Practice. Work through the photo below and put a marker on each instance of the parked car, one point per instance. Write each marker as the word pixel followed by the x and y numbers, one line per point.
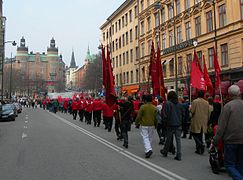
pixel 9 112
pixel 18 107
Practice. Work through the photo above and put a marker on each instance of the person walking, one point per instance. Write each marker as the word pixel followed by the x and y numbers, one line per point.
pixel 108 113
pixel 172 117
pixel 146 118
pixel 126 110
pixel 160 126
pixel 74 108
pixel 97 107
pixel 200 111
pixel 230 130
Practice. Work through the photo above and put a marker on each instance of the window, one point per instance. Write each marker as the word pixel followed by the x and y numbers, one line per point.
pixel 113 46
pixel 121 79
pixel 163 41
pixel 123 23
pixel 113 30
pixel 188 62
pixel 137 75
pixel 103 36
pixel 131 35
pixel 178 7
pixel 179 34
pixel 170 38
pixel 127 77
pixel 222 16
pixel 120 60
pixel 199 54
pixel 131 55
pixel 116 61
pixel 124 78
pixel 142 5
pixel 149 46
pixel 170 12
pixel 156 17
pixel 188 30
pixel 241 8
pixel 187 4
pixel 131 79
pixel 116 26
pixel 163 15
pixel 123 58
pixel 130 15
pixel 149 23
pixel 127 57
pixel 142 27
pixel 126 38
pixel 180 65
pixel 119 24
pixel 123 40
pixel 210 58
pixel 137 53
pixel 119 42
pixel 142 50
pixel 126 19
pixel 116 44
pixel 143 73
pixel 148 3
pixel 224 54
pixel 136 11
pixel 136 32
pixel 171 67
pixel 164 70
pixel 197 1
pixel 117 80
pixel 209 19
pixel 198 25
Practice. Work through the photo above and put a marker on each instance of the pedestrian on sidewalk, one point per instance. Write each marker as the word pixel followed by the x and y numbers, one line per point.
pixel 230 130
pixel 200 111
pixel 146 118
pixel 172 117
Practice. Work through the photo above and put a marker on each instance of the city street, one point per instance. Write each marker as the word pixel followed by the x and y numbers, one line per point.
pixel 40 145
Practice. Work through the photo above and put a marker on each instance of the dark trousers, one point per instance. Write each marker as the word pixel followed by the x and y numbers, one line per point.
pixel 75 114
pixel 97 118
pixel 81 115
pixel 161 129
pixel 233 160
pixel 88 117
pixel 198 138
pixel 118 128
pixel 125 127
pixel 170 131
pixel 108 123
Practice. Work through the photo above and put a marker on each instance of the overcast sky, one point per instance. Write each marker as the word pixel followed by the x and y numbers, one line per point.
pixel 73 23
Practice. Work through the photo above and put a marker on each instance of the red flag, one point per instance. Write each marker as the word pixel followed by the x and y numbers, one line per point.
pixel 110 92
pixel 216 70
pixel 104 67
pixel 153 72
pixel 207 79
pixel 197 77
pixel 160 75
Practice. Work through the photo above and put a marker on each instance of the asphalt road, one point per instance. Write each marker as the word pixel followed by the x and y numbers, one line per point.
pixel 44 146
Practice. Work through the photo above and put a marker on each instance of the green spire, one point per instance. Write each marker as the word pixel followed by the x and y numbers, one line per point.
pixel 88 56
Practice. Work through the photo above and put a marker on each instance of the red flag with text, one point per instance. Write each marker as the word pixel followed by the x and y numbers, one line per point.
pixel 216 70
pixel 197 76
pixel 207 79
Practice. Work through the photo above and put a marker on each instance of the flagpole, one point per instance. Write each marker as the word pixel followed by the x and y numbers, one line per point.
pixel 190 94
pixel 221 97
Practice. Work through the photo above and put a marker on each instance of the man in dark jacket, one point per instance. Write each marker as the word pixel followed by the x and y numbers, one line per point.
pixel 173 115
pixel 126 110
pixel 230 130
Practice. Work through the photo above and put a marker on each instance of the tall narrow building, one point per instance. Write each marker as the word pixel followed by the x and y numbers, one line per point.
pixel 70 79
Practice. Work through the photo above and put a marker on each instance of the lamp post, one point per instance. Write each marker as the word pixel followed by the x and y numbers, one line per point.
pixel 158 5
pixel 3 22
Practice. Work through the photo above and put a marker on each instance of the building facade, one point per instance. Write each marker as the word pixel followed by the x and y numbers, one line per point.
pixel 70 78
pixel 38 72
pixel 179 27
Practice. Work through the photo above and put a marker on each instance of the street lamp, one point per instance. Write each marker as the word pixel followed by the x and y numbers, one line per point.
pixel 195 43
pixel 11 69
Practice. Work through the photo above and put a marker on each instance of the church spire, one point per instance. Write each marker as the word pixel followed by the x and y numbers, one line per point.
pixel 88 56
pixel 73 63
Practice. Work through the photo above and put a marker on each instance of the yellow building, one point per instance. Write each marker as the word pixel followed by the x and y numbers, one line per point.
pixel 194 28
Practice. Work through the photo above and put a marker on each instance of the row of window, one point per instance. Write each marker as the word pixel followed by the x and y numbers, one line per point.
pixel 126 78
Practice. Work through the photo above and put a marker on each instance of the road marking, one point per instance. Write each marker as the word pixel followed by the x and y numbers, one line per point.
pixel 24 135
pixel 157 169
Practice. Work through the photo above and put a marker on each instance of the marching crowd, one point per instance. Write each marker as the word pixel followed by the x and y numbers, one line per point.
pixel 207 119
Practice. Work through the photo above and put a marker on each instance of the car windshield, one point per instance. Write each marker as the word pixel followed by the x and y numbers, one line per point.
pixel 7 107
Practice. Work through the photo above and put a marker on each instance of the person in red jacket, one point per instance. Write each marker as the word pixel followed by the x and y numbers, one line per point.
pixel 81 109
pixel 97 107
pixel 65 106
pixel 75 108
pixel 108 112
pixel 88 110
pixel 135 108
pixel 44 104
